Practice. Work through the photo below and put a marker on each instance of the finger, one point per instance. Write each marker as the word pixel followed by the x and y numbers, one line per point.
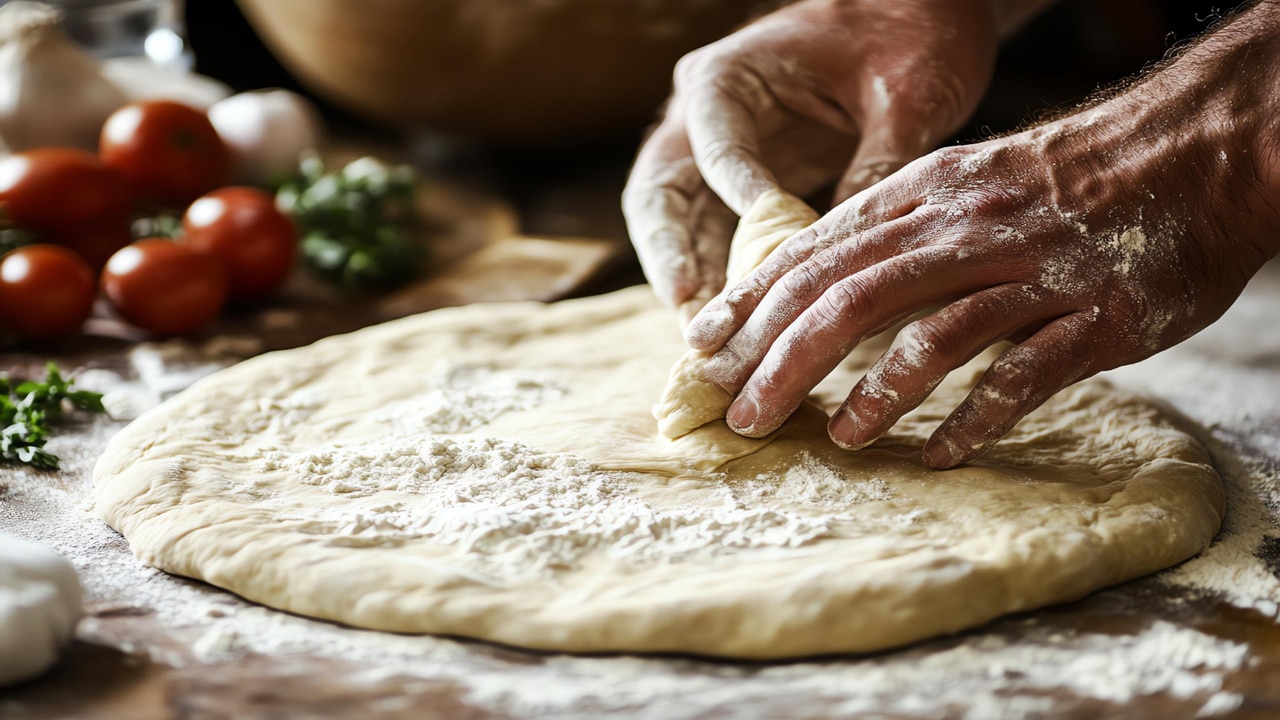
pixel 927 350
pixel 849 311
pixel 804 285
pixel 1018 382
pixel 888 143
pixel 901 191
pixel 726 315
pixel 725 138
pixel 890 201
pixel 712 227
pixel 657 204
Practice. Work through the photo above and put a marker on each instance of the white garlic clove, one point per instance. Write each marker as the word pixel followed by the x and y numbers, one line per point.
pixel 51 91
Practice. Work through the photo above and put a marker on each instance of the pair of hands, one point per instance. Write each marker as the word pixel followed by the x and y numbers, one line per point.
pixel 1092 241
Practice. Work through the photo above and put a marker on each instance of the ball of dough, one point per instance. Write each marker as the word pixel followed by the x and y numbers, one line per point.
pixel 40 604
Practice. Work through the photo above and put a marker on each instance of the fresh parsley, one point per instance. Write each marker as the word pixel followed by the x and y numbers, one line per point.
pixel 13 238
pixel 29 409
pixel 359 226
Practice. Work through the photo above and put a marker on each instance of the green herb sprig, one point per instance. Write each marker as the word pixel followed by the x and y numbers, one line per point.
pixel 28 411
pixel 358 224
pixel 13 238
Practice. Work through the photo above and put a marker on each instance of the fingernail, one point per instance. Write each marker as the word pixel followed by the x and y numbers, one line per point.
pixel 845 430
pixel 743 413
pixel 938 454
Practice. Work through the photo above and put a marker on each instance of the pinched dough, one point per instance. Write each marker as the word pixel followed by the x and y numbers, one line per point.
pixel 690 400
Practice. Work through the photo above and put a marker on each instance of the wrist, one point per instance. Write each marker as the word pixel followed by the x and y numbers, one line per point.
pixel 1232 74
pixel 1189 149
pixel 1212 116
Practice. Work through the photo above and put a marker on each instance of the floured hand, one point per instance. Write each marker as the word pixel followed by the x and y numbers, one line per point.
pixel 1092 242
pixel 822 92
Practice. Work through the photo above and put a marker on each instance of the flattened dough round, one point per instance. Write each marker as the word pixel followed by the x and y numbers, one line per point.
pixel 494 471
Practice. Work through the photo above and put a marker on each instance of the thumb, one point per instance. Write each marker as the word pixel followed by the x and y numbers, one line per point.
pixel 887 144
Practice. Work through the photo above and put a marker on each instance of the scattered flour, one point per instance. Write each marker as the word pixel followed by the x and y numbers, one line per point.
pixel 162 369
pixel 1130 244
pixel 810 482
pixel 980 160
pixel 1035 666
pixel 522 511
pixel 469 397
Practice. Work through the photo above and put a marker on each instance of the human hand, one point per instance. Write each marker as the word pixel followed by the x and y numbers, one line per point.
pixel 1092 242
pixel 820 92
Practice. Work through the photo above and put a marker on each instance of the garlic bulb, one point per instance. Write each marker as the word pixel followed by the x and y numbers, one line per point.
pixel 51 92
pixel 141 79
pixel 267 132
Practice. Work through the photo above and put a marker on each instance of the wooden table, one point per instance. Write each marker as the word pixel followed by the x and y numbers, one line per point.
pixel 154 646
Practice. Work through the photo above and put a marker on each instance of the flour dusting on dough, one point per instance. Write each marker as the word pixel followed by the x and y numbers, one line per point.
pixel 520 511
pixel 470 396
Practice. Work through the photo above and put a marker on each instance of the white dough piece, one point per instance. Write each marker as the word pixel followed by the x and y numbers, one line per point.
pixel 690 400
pixel 40 604
pixel 494 471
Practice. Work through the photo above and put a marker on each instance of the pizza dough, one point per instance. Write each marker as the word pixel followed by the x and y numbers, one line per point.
pixel 689 400
pixel 39 608
pixel 494 471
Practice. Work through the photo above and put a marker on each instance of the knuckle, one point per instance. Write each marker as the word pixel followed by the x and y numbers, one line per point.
pixel 993 308
pixel 689 67
pixel 710 65
pixel 1135 309
pixel 924 340
pixel 948 157
pixel 1130 317
pixel 796 249
pixel 801 282
pixel 1015 376
pixel 842 301
pixel 921 166
pixel 925 253
pixel 721 152
pixel 635 200
pixel 742 297
pixel 643 195
pixel 729 364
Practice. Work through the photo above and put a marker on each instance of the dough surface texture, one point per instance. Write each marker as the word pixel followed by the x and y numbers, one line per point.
pixel 40 604
pixel 689 400
pixel 495 471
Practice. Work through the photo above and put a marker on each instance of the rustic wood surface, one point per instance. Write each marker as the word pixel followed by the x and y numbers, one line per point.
pixel 127 663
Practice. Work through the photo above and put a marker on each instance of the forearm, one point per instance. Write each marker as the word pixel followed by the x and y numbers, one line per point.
pixel 1231 76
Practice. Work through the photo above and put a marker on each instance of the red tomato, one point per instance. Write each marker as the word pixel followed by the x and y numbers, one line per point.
pixel 164 287
pixel 169 153
pixel 56 191
pixel 45 291
pixel 242 226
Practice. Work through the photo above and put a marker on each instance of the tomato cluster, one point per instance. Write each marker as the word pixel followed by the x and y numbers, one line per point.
pixel 153 157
